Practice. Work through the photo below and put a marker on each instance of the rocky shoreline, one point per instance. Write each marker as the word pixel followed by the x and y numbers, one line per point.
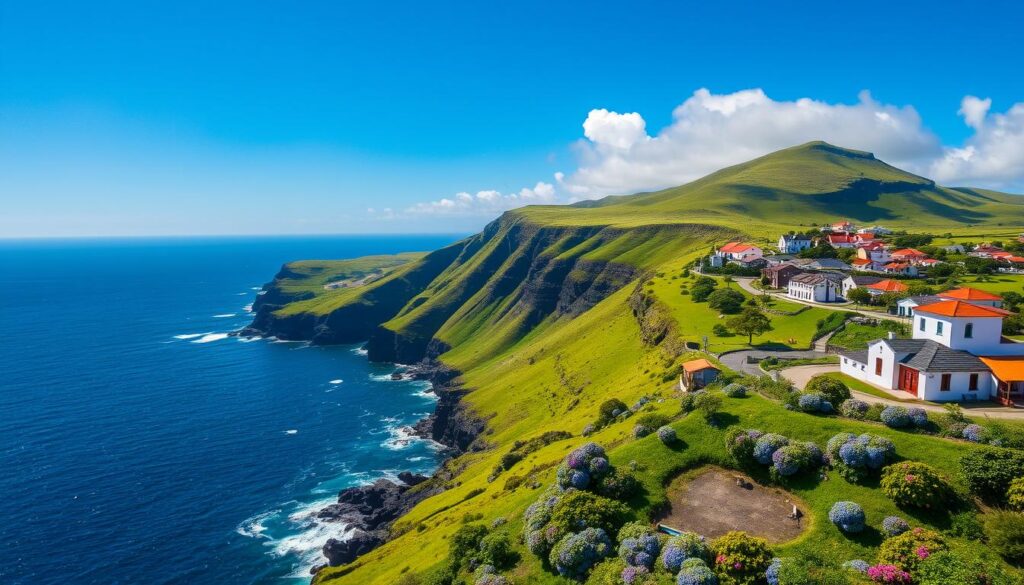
pixel 370 510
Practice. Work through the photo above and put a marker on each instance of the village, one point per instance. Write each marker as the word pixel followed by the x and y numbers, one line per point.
pixel 953 344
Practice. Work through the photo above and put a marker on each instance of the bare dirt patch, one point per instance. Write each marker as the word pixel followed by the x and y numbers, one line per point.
pixel 711 503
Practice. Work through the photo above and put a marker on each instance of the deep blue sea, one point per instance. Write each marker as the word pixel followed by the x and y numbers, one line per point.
pixel 140 444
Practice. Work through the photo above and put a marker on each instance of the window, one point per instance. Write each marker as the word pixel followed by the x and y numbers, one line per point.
pixel 946 378
pixel 878 366
pixel 969 330
pixel 973 384
pixel 938 327
pixel 922 324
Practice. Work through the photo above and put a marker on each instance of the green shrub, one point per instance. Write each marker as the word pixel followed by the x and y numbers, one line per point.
pixel 707 404
pixel 464 544
pixel 907 550
pixel 740 559
pixel 700 292
pixel 496 549
pixel 721 330
pixel 1015 494
pixel 874 412
pixel 989 472
pixel 911 484
pixel 726 300
pixel 578 509
pixel 607 572
pixel 831 389
pixel 653 420
pixel 608 409
pixel 1005 531
pixel 948 568
pixel 442 574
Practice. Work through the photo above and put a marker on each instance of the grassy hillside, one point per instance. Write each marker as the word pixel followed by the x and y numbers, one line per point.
pixel 811 184
pixel 550 311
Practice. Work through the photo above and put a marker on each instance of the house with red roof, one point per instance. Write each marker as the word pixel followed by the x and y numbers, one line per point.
pixel 841 240
pixel 909 255
pixel 972 295
pixel 740 252
pixel 956 353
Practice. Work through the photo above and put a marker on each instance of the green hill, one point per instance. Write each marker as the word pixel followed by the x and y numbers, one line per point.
pixel 551 310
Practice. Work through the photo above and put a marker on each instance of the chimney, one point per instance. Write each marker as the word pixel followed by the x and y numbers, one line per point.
pixel 892 335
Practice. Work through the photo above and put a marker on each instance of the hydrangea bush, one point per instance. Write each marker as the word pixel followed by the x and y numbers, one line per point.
pixel 848 516
pixel 641 431
pixel 683 547
pixel 888 574
pixel 740 558
pixel 667 435
pixel 810 402
pixel 859 456
pixel 575 554
pixel 918 416
pixel 894 526
pixel 766 445
pixel 634 575
pixel 772 573
pixel 915 485
pixel 896 417
pixel 907 550
pixel 854 408
pixel 857 565
pixel 790 459
pixel 696 572
pixel 640 551
pixel 975 433
pixel 735 390
pixel 740 444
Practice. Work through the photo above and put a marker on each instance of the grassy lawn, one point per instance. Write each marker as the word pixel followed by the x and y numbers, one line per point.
pixel 857 336
pixel 696 320
pixel 997 283
pixel 855 384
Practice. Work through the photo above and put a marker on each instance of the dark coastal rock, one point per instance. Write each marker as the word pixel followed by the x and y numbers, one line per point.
pixel 342 552
pixel 451 424
pixel 412 479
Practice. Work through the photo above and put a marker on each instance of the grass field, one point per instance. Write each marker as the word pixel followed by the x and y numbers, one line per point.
pixel 857 336
pixel 695 320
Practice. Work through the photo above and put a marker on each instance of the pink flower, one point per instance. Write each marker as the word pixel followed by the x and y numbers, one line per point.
pixel 910 478
pixel 922 552
pixel 720 559
pixel 737 565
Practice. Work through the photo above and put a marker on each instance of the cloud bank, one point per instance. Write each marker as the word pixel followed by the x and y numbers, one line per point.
pixel 710 131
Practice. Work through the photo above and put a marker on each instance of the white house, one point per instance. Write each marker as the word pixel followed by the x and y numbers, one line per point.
pixel 857 281
pixel 817 287
pixel 957 353
pixel 905 307
pixel 739 252
pixel 791 244
pixel 900 268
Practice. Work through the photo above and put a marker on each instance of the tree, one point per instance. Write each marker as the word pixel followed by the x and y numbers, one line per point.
pixel 822 250
pixel 859 296
pixel 750 322
pixel 726 300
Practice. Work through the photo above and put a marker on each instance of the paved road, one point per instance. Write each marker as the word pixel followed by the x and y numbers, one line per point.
pixel 800 375
pixel 737 360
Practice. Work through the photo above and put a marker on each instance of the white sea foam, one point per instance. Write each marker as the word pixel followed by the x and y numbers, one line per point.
pixel 207 338
pixel 255 527
pixel 224 315
pixel 249 339
pixel 400 438
pixel 292 432
pixel 361 350
pixel 190 335
pixel 257 288
pixel 312 532
pixel 248 308
pixel 338 381
pixel 241 294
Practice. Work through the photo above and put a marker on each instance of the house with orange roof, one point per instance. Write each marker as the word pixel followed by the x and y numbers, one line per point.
pixel 956 353
pixel 900 268
pixel 841 240
pixel 972 295
pixel 864 264
pixel 843 226
pixel 875 251
pixel 697 374
pixel 886 286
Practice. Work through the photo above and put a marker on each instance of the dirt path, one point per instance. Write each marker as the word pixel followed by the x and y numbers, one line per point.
pixel 712 504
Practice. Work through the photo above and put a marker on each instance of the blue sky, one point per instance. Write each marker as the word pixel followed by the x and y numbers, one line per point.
pixel 145 118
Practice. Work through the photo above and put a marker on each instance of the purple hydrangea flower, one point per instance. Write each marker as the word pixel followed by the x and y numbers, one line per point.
pixel 848 516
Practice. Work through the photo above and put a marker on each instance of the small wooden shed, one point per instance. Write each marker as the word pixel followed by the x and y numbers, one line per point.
pixel 697 374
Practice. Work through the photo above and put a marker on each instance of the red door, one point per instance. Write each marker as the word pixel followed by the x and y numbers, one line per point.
pixel 908 380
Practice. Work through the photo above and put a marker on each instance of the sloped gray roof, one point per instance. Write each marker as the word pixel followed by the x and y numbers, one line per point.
pixel 920 300
pixel 930 356
pixel 814 278
pixel 863 280
pixel 859 356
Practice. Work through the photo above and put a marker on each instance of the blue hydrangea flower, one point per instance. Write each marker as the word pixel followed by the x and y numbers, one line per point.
pixel 767 445
pixel 857 565
pixel 848 516
pixel 577 553
pixel 787 460
pixel 894 526
pixel 678 549
pixel 695 572
pixel 895 417
pixel 667 435
pixel 974 433
pixel 810 402
pixel 918 416
pixel 632 574
pixel 772 574
pixel 853 454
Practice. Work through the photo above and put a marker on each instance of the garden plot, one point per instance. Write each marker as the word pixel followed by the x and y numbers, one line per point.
pixel 712 503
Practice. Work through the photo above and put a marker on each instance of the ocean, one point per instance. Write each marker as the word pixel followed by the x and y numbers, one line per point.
pixel 141 444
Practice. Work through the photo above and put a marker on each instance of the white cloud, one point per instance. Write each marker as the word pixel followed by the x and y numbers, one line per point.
pixel 974 110
pixel 993 156
pixel 486 202
pixel 613 129
pixel 710 131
